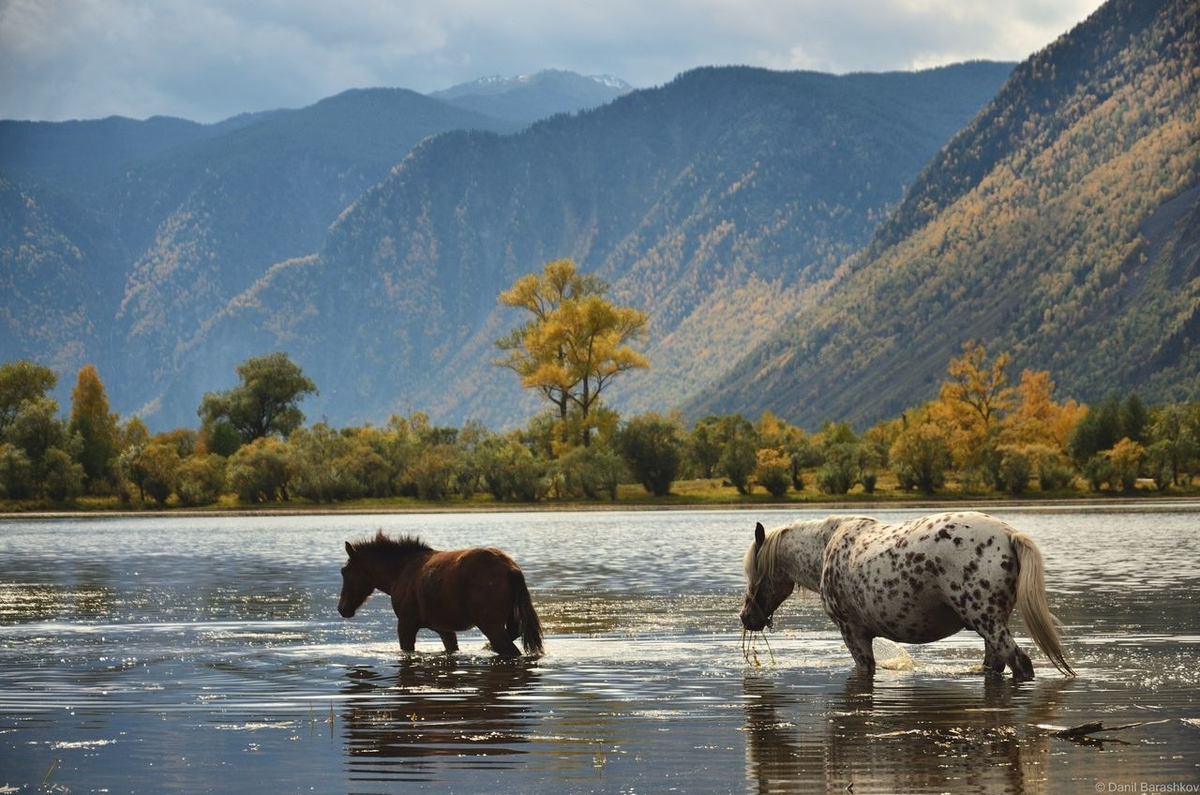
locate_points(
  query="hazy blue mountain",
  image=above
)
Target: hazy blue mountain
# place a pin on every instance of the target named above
(118, 253)
(528, 98)
(1062, 225)
(716, 203)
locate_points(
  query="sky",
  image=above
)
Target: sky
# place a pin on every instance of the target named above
(208, 60)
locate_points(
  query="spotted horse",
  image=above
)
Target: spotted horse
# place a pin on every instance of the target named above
(915, 582)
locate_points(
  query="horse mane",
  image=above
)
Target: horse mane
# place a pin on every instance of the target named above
(388, 548)
(762, 566)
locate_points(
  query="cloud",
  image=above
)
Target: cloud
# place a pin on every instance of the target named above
(209, 59)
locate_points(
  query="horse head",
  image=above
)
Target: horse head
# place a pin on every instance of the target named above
(356, 584)
(765, 590)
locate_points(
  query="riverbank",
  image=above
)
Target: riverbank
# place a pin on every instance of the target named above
(687, 495)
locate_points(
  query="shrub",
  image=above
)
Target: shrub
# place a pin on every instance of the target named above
(773, 472)
(651, 447)
(16, 473)
(200, 478)
(840, 471)
(159, 463)
(1126, 458)
(258, 472)
(509, 470)
(62, 478)
(921, 456)
(1015, 470)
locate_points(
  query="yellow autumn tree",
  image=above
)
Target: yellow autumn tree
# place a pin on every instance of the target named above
(971, 405)
(97, 428)
(574, 344)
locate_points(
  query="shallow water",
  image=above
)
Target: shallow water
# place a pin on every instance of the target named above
(205, 654)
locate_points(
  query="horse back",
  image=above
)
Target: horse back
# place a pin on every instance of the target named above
(888, 575)
(457, 589)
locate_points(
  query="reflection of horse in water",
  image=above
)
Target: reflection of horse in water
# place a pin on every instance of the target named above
(915, 583)
(910, 736)
(448, 592)
(434, 713)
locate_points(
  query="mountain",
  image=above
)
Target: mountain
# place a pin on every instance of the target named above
(528, 98)
(119, 238)
(1062, 225)
(716, 203)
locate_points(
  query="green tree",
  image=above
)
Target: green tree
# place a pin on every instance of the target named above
(739, 451)
(702, 448)
(20, 382)
(773, 471)
(97, 428)
(258, 472)
(652, 448)
(576, 342)
(920, 456)
(159, 465)
(266, 401)
(200, 478)
(16, 473)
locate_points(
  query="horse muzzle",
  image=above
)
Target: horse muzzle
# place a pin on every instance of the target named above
(754, 621)
(347, 612)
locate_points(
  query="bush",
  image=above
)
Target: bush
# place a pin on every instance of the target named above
(773, 472)
(510, 472)
(651, 447)
(62, 478)
(588, 471)
(16, 473)
(200, 478)
(1015, 470)
(258, 472)
(435, 472)
(1098, 470)
(840, 471)
(159, 463)
(921, 456)
(1126, 458)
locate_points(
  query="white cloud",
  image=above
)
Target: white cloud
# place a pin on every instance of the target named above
(208, 59)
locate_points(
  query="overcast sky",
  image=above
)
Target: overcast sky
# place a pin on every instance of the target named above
(210, 59)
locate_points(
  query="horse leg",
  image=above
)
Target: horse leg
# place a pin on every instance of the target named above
(859, 643)
(501, 643)
(1003, 650)
(408, 636)
(450, 641)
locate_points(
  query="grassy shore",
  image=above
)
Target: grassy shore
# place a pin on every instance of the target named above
(712, 493)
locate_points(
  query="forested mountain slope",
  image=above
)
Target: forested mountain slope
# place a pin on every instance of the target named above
(1061, 225)
(713, 203)
(118, 238)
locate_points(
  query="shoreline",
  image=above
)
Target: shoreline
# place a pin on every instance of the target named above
(1092, 503)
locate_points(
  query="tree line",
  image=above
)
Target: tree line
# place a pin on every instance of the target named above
(983, 430)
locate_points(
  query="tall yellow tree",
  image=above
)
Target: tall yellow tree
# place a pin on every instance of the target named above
(576, 341)
(97, 428)
(972, 403)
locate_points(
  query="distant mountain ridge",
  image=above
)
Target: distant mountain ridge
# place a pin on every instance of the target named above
(715, 202)
(527, 98)
(1061, 225)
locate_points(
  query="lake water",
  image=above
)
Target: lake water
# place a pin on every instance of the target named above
(205, 654)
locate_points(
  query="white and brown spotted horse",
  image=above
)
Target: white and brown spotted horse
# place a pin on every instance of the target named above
(915, 582)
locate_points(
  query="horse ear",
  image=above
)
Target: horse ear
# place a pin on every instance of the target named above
(760, 535)
(349, 550)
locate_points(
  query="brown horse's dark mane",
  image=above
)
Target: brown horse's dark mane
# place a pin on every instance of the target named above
(390, 549)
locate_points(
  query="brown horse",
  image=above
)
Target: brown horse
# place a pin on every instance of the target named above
(447, 592)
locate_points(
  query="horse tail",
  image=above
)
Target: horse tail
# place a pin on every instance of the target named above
(1031, 601)
(524, 619)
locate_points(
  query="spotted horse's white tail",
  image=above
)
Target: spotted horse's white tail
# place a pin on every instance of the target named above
(1031, 601)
